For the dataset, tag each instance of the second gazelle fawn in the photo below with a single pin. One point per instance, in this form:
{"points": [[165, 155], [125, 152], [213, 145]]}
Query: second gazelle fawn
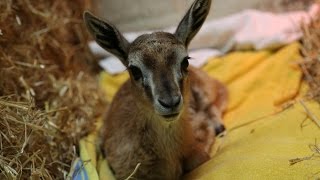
{"points": [[167, 114]]}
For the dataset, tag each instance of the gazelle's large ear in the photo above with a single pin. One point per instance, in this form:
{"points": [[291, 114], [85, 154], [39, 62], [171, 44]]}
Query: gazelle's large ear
{"points": [[107, 36], [192, 21]]}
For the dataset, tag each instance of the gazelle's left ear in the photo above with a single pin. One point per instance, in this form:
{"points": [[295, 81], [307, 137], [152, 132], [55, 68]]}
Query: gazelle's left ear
{"points": [[192, 21]]}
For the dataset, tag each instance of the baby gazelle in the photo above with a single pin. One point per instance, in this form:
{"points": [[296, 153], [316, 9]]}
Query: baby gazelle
{"points": [[166, 116]]}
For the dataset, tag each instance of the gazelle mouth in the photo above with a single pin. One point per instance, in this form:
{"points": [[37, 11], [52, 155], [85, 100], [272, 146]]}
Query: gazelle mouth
{"points": [[170, 115]]}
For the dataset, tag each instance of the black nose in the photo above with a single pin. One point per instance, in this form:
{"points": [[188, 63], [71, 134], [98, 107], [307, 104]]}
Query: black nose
{"points": [[170, 102], [220, 129]]}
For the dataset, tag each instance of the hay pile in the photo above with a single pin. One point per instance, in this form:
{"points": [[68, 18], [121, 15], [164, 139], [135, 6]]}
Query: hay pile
{"points": [[311, 63], [49, 95]]}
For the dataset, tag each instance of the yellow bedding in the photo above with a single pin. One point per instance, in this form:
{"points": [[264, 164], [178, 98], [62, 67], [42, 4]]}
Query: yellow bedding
{"points": [[264, 132]]}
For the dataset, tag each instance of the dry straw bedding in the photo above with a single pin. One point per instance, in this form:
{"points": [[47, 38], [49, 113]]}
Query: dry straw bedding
{"points": [[310, 50], [49, 96]]}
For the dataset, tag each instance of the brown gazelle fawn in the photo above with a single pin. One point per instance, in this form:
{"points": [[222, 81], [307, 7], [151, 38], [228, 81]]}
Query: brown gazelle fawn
{"points": [[167, 114]]}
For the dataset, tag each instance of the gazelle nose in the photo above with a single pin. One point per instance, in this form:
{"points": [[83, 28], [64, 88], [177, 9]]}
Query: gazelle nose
{"points": [[171, 102]]}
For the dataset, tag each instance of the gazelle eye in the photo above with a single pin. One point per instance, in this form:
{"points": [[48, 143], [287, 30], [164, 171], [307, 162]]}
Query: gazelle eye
{"points": [[136, 72], [185, 64]]}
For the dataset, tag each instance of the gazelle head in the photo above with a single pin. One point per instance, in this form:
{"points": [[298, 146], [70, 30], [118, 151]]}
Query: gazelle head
{"points": [[157, 62]]}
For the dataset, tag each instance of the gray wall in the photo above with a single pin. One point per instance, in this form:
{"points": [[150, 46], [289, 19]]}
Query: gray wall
{"points": [[135, 15]]}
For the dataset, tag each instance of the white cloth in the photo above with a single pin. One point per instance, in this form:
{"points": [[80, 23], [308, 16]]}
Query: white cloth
{"points": [[249, 29]]}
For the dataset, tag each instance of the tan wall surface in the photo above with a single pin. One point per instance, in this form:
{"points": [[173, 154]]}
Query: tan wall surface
{"points": [[135, 15]]}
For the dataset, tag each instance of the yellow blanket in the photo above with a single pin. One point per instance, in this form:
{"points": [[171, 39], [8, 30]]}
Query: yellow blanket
{"points": [[264, 133]]}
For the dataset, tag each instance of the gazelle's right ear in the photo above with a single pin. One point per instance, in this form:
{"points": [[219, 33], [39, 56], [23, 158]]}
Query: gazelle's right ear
{"points": [[107, 36]]}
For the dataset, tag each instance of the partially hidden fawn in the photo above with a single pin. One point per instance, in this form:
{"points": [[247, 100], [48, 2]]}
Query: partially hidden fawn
{"points": [[166, 116]]}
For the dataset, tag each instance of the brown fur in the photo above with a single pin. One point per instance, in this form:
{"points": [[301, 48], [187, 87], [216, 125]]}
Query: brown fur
{"points": [[162, 147], [167, 115], [207, 104]]}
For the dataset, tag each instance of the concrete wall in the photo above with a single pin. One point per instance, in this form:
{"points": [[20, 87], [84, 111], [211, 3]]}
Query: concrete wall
{"points": [[135, 15]]}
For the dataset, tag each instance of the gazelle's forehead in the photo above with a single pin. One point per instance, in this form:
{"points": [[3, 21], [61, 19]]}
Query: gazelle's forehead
{"points": [[153, 59], [155, 50]]}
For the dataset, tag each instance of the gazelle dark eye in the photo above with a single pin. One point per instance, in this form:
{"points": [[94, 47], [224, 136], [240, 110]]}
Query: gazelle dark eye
{"points": [[185, 64], [136, 72]]}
